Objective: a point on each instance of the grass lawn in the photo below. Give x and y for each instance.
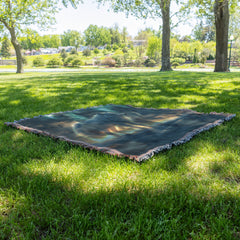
(52, 190)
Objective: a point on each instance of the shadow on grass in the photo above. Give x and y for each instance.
(110, 198)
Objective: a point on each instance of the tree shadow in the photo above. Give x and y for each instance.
(162, 198)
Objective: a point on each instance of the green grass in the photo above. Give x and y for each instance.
(52, 190)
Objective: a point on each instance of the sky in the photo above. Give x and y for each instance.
(88, 13)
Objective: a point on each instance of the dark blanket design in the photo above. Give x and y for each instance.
(137, 133)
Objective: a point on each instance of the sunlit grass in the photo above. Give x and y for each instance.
(52, 190)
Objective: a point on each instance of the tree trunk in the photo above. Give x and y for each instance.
(165, 8)
(221, 12)
(17, 48)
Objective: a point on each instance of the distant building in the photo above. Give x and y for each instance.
(48, 50)
(67, 48)
(137, 43)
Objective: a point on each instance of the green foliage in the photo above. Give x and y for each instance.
(175, 64)
(71, 38)
(125, 50)
(86, 52)
(38, 62)
(150, 62)
(63, 54)
(77, 62)
(119, 60)
(51, 41)
(97, 36)
(154, 48)
(17, 14)
(105, 51)
(178, 60)
(68, 60)
(109, 47)
(73, 61)
(54, 62)
(115, 35)
(138, 62)
(96, 50)
(5, 49)
(74, 51)
(115, 47)
(31, 40)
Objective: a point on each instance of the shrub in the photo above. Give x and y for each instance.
(178, 60)
(74, 51)
(150, 62)
(54, 62)
(38, 62)
(115, 46)
(76, 62)
(109, 61)
(175, 64)
(96, 50)
(97, 62)
(68, 60)
(63, 54)
(119, 60)
(105, 52)
(125, 50)
(86, 52)
(138, 62)
(109, 48)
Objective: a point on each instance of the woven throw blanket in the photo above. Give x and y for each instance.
(136, 133)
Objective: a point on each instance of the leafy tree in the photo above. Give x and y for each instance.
(124, 35)
(86, 52)
(96, 50)
(51, 41)
(145, 8)
(115, 35)
(63, 54)
(97, 36)
(31, 41)
(234, 26)
(221, 10)
(144, 34)
(205, 33)
(16, 15)
(74, 51)
(72, 38)
(5, 49)
(154, 48)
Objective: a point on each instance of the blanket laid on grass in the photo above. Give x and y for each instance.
(136, 133)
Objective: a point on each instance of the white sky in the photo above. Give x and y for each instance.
(88, 13)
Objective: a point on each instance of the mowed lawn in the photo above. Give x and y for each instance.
(53, 190)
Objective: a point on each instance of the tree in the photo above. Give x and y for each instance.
(115, 35)
(221, 10)
(234, 25)
(31, 41)
(15, 15)
(154, 48)
(97, 36)
(5, 50)
(72, 38)
(205, 32)
(144, 9)
(51, 41)
(124, 35)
